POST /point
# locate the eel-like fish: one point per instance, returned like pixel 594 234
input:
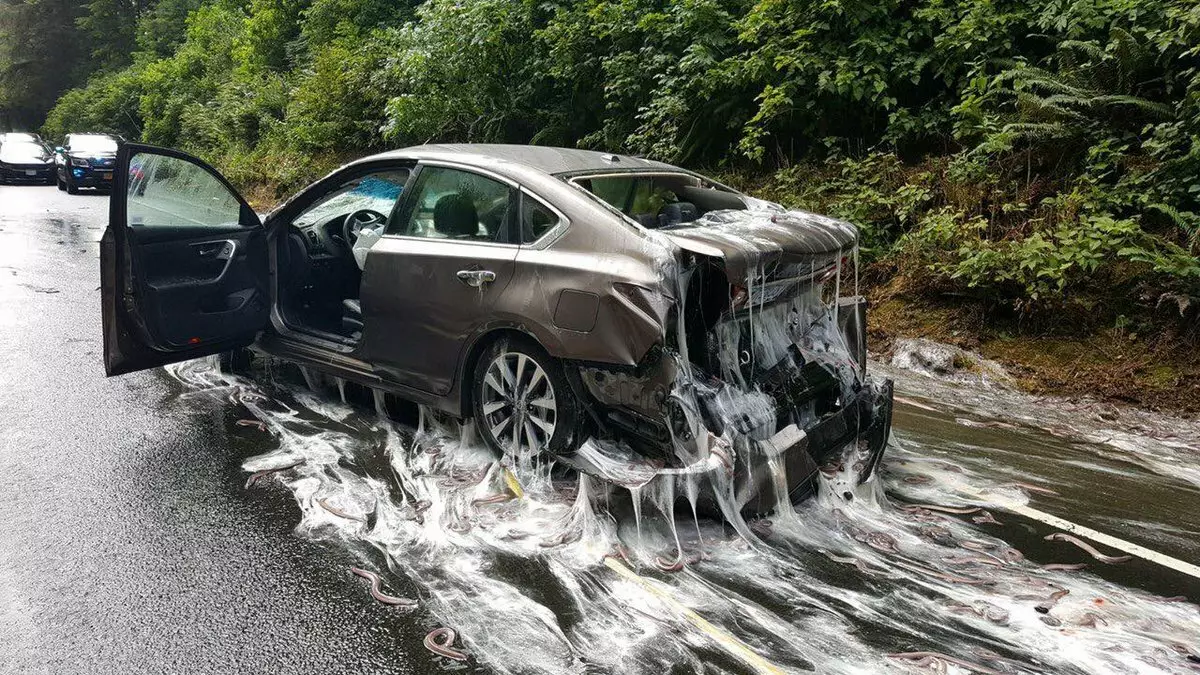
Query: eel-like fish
pixel 922 656
pixel 942 509
pixel 340 513
pixel 259 475
pixel 440 641
pixel 378 594
pixel 1091 550
pixel 257 424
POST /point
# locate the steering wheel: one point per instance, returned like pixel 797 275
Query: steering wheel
pixel 356 221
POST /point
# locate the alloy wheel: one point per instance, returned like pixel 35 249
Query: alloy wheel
pixel 518 404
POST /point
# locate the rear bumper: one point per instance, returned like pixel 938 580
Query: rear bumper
pixel 764 472
pixel 855 437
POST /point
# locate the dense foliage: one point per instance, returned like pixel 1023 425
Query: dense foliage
pixel 1041 154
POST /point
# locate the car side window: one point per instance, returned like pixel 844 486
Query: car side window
pixel 536 219
pixel 169 192
pixel 455 204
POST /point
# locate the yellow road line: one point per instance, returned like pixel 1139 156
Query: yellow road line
pixel 728 642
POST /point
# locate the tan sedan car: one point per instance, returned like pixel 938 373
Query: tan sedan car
pixel 630 317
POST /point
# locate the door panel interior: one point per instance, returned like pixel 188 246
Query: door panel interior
pixel 201 287
pixel 184 263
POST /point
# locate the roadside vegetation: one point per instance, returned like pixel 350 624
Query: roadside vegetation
pixel 1026 172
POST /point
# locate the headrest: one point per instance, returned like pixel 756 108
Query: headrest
pixel 454 215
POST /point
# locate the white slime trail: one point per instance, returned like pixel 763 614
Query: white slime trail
pixel 834 585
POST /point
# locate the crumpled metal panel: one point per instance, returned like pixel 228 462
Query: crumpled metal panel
pixel 749 239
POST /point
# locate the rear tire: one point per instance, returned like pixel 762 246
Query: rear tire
pixel 522 402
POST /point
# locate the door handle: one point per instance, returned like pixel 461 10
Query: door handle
pixel 476 278
pixel 220 250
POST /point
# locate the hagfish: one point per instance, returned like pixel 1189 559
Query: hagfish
pixel 440 641
pixel 252 423
pixel 931 656
pixel 667 565
pixel 493 499
pixel 986 518
pixel 1045 607
pixel 259 475
pixel 378 594
pixel 617 552
pixel 340 513
pixel 1091 550
pixel 942 509
pixel 1031 488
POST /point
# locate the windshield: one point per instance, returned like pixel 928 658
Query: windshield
pixel 660 200
pixel 377 192
pixel 93 144
pixel 23 152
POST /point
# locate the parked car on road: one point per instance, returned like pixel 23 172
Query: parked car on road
pixel 25 161
pixel 86 160
pixel 21 137
pixel 630 317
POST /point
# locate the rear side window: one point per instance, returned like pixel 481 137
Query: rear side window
pixel 641 198
pixel 536 219
pixel 455 204
pixel 617 191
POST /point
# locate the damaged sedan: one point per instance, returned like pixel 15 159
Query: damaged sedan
pixel 628 318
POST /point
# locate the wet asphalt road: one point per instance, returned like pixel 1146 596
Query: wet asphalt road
pixel 128 543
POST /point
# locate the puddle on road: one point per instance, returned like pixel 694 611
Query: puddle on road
pixel 834 586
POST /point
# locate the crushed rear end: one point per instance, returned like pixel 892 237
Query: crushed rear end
pixel 762 377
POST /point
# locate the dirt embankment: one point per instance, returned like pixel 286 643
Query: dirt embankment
pixel 1154 368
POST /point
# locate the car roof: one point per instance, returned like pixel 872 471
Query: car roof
pixel 547 159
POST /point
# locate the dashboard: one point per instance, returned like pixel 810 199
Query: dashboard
pixel 323 240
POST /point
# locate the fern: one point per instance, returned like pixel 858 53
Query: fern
pixel 1185 220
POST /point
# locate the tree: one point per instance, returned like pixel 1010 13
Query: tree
pixel 40 56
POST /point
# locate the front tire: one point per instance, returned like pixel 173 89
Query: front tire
pixel 59 182
pixel 523 405
pixel 72 189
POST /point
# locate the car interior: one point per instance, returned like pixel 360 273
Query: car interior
pixel 660 200
pixel 319 276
